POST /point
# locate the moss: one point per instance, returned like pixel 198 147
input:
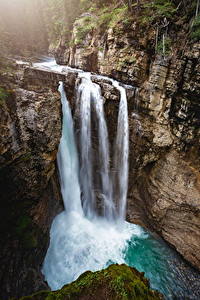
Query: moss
pixel 195 34
pixel 115 282
pixel 160 9
pixel 22 223
pixel 3 95
pixel 25 232
pixel 125 61
pixel 103 18
pixel 29 240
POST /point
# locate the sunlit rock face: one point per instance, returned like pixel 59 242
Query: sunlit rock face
pixel 30 197
pixel 164 119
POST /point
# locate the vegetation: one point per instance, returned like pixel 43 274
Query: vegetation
pixel 195 34
pixel 42 23
pixel 116 282
pixel 160 9
pixel 3 95
pixel 101 19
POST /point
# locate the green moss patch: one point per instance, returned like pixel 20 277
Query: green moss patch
pixel 195 34
pixel 115 282
pixel 3 95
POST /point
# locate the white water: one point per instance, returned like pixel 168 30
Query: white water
pixel 68 160
pixel 85 90
pixel 121 154
pixel 89 97
pixel 81 240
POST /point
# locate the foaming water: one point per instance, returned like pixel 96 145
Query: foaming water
pixel 80 240
pixel 80 244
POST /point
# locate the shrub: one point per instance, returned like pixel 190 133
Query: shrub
pixel 168 44
pixel 195 34
pixel 160 9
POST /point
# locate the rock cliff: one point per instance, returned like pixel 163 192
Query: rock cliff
pixel 30 197
pixel 159 55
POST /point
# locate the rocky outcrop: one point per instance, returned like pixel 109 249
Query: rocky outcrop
pixel 164 165
pixel 164 112
pixel 115 282
pixel 30 197
pixel 171 193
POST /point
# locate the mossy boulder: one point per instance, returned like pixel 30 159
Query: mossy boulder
pixel 115 282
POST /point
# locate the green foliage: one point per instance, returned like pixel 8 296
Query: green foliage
pixel 84 26
pixel 125 61
pixel 3 95
pixel 159 9
pixel 105 17
pixel 119 14
pixel 168 45
pixel 195 34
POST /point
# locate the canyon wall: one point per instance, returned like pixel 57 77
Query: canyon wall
pixel 30 195
pixel 164 116
pixel 164 119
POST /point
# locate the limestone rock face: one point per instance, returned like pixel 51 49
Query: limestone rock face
pixel 30 133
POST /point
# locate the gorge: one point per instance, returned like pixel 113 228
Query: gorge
pixel 91 235
pixel 109 173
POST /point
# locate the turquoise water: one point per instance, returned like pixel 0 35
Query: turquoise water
pixel 165 269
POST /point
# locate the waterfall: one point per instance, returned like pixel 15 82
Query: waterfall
pixel 86 176
pixel 81 239
pixel 68 160
pixel 121 154
pixel 88 97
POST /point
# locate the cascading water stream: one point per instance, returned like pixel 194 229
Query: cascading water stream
pixel 89 97
pixel 85 145
pixel 68 160
pixel 80 239
pixel 121 154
